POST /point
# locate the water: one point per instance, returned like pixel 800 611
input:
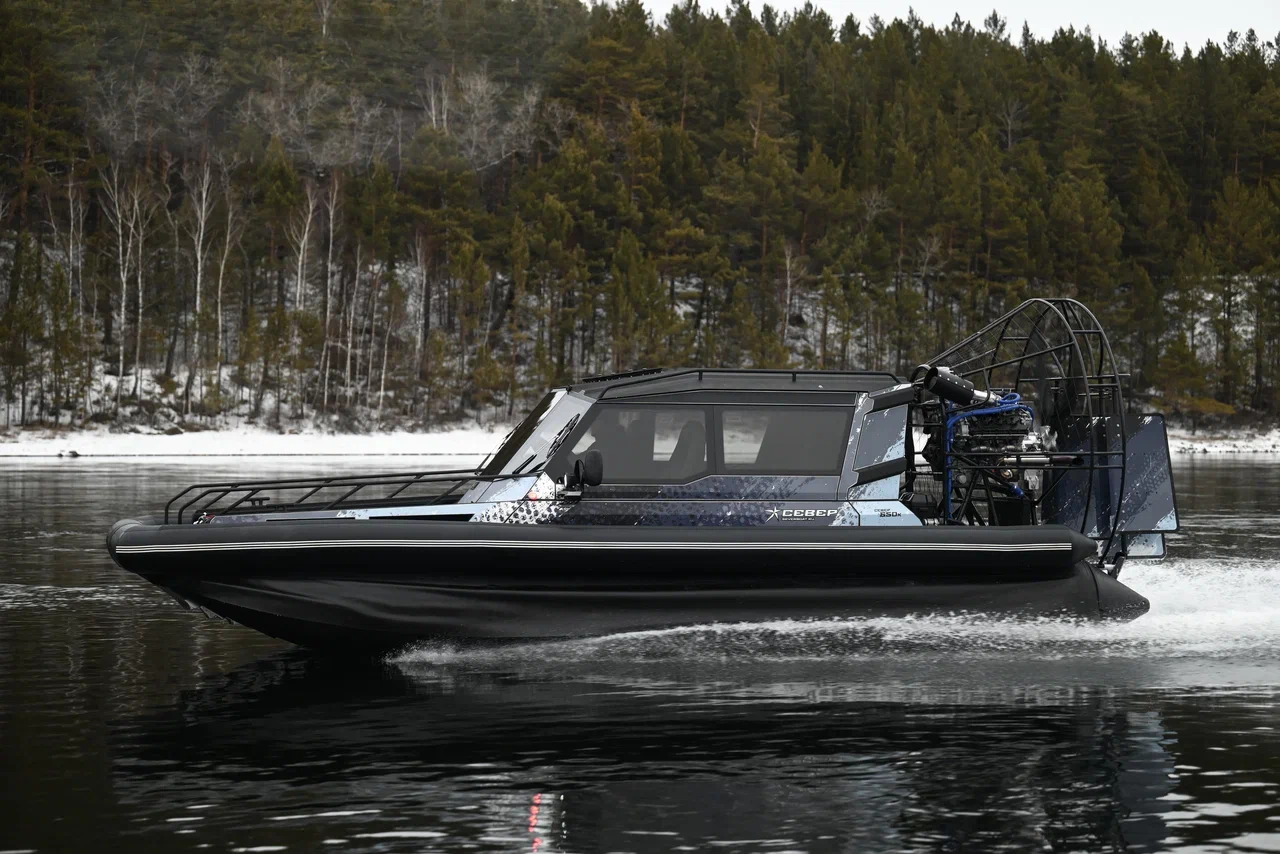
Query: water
pixel 128 724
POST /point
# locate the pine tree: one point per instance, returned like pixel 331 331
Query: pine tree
pixel 546 189
pixel 1241 238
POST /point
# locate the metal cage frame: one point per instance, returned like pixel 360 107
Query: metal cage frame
pixel 1063 335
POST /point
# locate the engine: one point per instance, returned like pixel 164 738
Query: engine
pixel 1008 432
pixel 1024 422
pixel 987 442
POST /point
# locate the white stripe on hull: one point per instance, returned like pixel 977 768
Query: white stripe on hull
pixel 634 545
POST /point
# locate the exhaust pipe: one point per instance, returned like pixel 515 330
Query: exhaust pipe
pixel 1041 460
pixel 956 389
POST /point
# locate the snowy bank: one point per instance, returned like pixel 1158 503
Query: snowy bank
pixel 1224 442
pixel 468 445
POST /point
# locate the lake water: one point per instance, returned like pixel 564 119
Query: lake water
pixel 129 724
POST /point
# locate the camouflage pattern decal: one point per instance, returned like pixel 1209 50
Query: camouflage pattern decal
pixel 1144 545
pixel 847 476
pixel 525 512
pixel 686 514
pixel 883 437
pixel 720 500
pixel 501 490
pixel 536 505
pixel 727 487
pixel 875 437
pixel 1148 503
pixel 884 489
pixel 846 518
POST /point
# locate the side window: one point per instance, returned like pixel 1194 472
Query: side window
pixel 647 444
pixel 783 439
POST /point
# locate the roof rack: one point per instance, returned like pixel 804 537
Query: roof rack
pixel 624 375
pixel 697 376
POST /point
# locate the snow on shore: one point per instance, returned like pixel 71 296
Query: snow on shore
pixel 466 445
pixel 1224 442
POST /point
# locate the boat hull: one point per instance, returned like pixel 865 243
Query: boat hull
pixel 362 584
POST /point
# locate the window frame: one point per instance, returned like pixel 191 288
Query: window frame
pixel 495 464
pixel 558 467
pixel 722 468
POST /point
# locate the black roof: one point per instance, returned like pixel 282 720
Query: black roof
pixel 691 381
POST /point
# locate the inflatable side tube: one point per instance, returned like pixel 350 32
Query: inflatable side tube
pixel 491 553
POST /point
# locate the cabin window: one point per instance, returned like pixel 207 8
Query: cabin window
pixel 646 443
pixel 783 439
pixel 528 447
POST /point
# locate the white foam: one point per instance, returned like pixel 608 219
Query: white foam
pixel 1199 609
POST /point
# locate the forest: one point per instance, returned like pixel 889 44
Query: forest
pixel 371 213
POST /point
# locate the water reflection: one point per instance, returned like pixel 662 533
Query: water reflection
pixel 126 721
pixel 615 758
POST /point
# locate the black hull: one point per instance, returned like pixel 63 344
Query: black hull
pixel 381 584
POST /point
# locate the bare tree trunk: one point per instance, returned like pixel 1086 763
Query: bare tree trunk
pixel 424 302
pixel 219 331
pixel 299 235
pixel 332 204
pixel 200 184
pixel 386 340
pixel 325 9
pixel 374 289
pixel 88 357
pixel 178 323
pixel 324 373
pixel 351 322
pixel 119 213
pixel 76 214
pixel 144 209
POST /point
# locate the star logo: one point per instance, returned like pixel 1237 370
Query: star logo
pixel 773 514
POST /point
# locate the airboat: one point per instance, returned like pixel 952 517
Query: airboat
pixel 1006 476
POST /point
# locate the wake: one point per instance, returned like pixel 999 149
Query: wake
pixel 1216 609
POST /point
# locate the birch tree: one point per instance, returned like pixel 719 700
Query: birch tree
pixel 143 205
pixel 202 194
pixel 187 99
pixel 325 10
pixel 231 227
pixel 332 203
pixel 478 128
pixel 119 212
pixel 299 231
pixel 433 99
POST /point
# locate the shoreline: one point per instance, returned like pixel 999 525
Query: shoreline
pixel 1223 443
pixel 464 443
pixel 101 443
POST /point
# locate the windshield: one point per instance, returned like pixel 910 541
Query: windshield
pixel 539 435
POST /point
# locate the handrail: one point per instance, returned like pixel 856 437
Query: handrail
pixel 247 491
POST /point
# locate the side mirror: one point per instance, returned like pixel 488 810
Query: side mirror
pixel 589 470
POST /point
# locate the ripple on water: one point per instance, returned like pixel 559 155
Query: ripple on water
pixel 869 735
pixel 14 596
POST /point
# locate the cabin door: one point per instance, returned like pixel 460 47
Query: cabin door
pixel 655 458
